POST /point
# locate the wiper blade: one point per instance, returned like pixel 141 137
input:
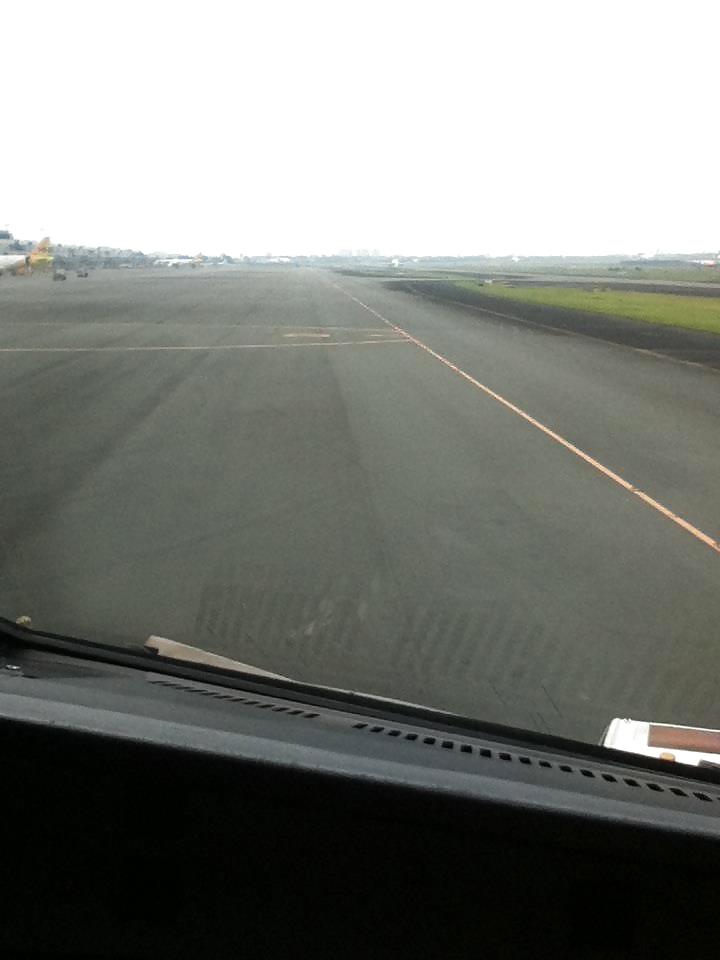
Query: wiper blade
pixel 174 650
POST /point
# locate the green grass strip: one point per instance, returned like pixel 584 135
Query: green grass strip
pixel 692 313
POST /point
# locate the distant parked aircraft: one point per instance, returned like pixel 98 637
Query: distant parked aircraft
pixel 180 261
pixel 25 263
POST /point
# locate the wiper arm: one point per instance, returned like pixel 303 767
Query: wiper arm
pixel 174 650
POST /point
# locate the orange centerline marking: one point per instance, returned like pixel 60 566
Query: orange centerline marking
pixel 591 461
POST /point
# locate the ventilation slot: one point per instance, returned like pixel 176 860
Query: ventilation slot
pixel 427 740
pixel 234 698
pixel 487 754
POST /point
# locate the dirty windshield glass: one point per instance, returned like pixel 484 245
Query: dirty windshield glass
pixel 376 346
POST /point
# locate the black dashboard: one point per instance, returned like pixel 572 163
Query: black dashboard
pixel 160 810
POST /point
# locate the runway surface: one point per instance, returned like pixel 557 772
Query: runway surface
pixel 359 487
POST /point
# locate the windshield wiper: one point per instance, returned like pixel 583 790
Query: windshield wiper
pixel 174 650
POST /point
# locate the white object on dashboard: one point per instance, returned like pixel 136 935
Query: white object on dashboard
pixel 665 741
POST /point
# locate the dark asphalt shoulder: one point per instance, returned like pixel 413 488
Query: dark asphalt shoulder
pixel 690 345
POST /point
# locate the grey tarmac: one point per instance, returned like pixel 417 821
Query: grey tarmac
pixel 281 465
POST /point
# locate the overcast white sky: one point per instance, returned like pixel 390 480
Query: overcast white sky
pixel 412 127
